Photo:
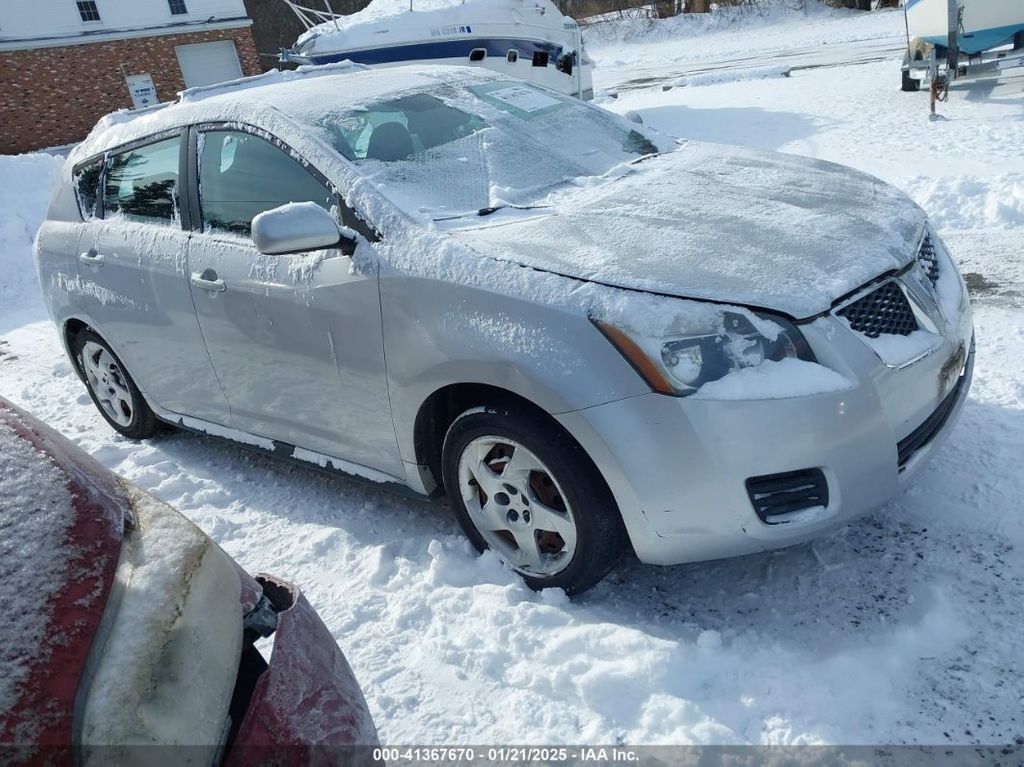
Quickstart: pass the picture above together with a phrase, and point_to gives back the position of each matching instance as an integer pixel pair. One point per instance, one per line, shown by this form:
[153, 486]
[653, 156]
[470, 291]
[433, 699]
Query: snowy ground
[903, 627]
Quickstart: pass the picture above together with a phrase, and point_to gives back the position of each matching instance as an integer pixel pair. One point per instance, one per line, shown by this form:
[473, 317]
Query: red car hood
[62, 518]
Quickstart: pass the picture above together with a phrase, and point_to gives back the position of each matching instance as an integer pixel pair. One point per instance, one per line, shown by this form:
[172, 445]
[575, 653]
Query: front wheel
[111, 388]
[523, 488]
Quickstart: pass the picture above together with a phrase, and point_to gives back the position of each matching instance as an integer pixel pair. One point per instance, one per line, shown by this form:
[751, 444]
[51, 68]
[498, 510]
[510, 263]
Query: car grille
[776, 495]
[885, 311]
[925, 433]
[928, 259]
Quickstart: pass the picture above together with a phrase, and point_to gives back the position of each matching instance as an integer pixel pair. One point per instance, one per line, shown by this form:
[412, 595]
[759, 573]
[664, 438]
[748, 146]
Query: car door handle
[208, 280]
[92, 258]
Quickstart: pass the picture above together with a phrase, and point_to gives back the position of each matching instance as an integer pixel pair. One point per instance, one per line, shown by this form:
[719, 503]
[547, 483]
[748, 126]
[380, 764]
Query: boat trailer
[939, 67]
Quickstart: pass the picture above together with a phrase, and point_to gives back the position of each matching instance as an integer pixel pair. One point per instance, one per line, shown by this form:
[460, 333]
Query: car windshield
[458, 150]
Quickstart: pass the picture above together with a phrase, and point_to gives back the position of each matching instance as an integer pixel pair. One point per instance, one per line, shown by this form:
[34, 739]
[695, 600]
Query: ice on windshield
[458, 150]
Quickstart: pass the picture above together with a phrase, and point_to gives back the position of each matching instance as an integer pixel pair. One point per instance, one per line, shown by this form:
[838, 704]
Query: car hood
[64, 517]
[763, 229]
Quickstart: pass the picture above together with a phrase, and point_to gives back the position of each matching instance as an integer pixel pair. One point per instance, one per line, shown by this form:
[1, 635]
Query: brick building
[65, 63]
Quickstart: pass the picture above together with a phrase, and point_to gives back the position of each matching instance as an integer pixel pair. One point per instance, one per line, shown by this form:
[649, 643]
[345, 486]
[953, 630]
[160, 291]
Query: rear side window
[242, 175]
[87, 188]
[142, 183]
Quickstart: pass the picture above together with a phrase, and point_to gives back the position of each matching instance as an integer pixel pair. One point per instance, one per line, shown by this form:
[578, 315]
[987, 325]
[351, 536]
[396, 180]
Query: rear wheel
[111, 388]
[526, 490]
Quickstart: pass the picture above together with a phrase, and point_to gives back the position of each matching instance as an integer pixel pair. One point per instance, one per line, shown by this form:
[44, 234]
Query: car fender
[438, 333]
[308, 698]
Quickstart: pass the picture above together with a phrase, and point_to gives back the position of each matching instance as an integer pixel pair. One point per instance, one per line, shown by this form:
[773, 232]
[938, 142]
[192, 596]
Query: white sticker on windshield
[523, 98]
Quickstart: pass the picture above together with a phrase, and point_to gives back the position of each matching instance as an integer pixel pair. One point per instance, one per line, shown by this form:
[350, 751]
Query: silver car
[587, 335]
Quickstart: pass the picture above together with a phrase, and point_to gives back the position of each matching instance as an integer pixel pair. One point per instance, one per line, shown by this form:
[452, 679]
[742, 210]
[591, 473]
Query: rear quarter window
[87, 187]
[141, 184]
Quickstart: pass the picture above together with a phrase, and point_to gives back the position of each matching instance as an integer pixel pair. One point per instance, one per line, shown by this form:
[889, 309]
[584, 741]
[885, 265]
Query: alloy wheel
[517, 505]
[108, 383]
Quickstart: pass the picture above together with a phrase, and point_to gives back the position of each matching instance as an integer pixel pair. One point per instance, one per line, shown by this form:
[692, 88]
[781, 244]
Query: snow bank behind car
[25, 184]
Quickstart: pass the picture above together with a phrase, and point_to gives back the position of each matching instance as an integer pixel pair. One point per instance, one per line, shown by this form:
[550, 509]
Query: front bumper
[678, 468]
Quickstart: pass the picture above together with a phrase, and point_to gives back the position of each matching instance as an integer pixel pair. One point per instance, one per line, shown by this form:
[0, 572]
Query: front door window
[242, 175]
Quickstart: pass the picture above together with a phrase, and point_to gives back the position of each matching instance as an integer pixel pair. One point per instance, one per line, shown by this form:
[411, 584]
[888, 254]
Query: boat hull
[525, 39]
[985, 24]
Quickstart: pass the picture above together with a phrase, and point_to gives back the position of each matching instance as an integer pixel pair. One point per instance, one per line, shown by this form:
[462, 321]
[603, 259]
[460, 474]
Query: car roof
[304, 95]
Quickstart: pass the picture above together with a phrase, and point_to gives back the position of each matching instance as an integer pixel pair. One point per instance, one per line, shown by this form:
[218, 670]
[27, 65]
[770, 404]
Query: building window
[177, 7]
[88, 11]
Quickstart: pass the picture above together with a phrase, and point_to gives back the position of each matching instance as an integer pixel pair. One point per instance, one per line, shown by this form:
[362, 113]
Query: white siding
[30, 19]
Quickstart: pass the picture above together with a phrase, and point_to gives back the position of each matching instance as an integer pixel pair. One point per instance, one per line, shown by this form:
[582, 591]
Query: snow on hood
[762, 229]
[61, 518]
[386, 22]
[37, 515]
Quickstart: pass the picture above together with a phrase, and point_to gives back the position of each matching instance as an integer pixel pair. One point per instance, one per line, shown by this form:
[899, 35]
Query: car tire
[111, 387]
[514, 477]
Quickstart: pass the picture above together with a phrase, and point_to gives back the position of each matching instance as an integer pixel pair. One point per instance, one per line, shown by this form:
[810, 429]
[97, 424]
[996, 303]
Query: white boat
[983, 24]
[526, 39]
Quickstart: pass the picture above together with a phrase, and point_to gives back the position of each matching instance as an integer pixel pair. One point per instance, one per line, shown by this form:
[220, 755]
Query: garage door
[208, 63]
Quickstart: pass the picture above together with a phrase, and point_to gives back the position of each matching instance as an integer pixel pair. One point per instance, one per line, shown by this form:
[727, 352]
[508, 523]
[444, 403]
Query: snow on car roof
[307, 90]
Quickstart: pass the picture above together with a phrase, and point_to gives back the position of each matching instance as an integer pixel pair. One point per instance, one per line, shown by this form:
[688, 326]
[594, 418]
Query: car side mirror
[296, 228]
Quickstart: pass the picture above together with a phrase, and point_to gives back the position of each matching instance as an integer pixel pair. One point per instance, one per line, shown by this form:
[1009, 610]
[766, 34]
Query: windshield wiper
[488, 211]
[645, 158]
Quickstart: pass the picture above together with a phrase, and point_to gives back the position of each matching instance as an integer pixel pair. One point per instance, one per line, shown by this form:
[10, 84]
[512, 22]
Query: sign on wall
[142, 90]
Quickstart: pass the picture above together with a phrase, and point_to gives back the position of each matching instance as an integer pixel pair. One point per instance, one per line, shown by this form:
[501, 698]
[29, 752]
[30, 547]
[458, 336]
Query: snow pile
[26, 182]
[972, 202]
[612, 28]
[638, 672]
[35, 516]
[729, 76]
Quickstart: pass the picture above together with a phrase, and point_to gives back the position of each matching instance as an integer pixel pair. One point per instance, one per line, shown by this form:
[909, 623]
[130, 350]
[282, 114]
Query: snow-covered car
[126, 627]
[588, 335]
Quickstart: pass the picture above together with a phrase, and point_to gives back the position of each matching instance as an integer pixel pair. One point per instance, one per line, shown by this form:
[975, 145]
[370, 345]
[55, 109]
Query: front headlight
[705, 347]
